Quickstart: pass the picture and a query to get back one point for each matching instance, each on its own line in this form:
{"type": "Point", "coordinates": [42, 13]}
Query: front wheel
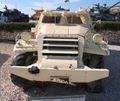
{"type": "Point", "coordinates": [25, 59]}
{"type": "Point", "coordinates": [94, 61]}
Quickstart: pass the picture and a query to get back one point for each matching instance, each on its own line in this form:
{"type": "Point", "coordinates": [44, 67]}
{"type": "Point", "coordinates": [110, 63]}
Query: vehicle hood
{"type": "Point", "coordinates": [59, 29]}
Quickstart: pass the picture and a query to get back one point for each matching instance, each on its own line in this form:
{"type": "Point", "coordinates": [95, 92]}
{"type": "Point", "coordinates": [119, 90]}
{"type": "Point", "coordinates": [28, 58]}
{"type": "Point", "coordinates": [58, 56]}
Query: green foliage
{"type": "Point", "coordinates": [108, 25]}
{"type": "Point", "coordinates": [105, 25]}
{"type": "Point", "coordinates": [15, 26]}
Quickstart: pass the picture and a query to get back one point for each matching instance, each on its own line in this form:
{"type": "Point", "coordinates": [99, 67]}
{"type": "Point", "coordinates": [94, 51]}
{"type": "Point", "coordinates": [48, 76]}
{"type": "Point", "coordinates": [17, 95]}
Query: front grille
{"type": "Point", "coordinates": [60, 46]}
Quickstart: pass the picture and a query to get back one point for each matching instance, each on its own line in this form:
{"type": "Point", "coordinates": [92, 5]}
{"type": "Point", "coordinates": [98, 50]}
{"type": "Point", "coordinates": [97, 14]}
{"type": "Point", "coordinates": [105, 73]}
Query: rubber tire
{"type": "Point", "coordinates": [95, 87]}
{"type": "Point", "coordinates": [23, 60]}
{"type": "Point", "coordinates": [94, 61]}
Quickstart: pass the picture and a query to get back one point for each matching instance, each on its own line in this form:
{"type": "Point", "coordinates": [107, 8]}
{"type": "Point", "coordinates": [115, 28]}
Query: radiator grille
{"type": "Point", "coordinates": [60, 46]}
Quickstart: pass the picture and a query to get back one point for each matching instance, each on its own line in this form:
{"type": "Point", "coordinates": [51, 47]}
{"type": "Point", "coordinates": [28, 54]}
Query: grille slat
{"type": "Point", "coordinates": [65, 40]}
{"type": "Point", "coordinates": [59, 45]}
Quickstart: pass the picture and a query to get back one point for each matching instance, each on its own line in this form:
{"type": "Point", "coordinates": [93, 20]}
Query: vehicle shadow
{"type": "Point", "coordinates": [3, 58]}
{"type": "Point", "coordinates": [111, 84]}
{"type": "Point", "coordinates": [55, 89]}
{"type": "Point", "coordinates": [45, 89]}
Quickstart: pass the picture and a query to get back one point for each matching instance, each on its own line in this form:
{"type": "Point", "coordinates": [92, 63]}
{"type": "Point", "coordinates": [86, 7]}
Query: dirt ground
{"type": "Point", "coordinates": [12, 92]}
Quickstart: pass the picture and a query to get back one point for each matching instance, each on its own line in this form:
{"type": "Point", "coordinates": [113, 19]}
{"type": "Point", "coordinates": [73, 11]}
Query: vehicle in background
{"type": "Point", "coordinates": [14, 15]}
{"type": "Point", "coordinates": [106, 13]}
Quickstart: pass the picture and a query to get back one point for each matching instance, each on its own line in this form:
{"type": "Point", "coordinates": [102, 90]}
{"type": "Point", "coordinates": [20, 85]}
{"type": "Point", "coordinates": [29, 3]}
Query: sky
{"type": "Point", "coordinates": [26, 6]}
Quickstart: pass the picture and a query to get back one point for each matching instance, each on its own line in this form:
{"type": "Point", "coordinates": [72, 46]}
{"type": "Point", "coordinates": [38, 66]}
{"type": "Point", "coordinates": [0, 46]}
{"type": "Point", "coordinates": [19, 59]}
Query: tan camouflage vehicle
{"type": "Point", "coordinates": [65, 48]}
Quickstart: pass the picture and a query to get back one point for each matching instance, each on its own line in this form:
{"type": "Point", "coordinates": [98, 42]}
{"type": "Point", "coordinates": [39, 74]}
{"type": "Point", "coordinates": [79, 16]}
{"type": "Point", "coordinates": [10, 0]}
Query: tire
{"type": "Point", "coordinates": [95, 87]}
{"type": "Point", "coordinates": [25, 59]}
{"type": "Point", "coordinates": [94, 61]}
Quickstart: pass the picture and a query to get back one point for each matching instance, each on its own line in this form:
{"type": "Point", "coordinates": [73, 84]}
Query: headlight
{"type": "Point", "coordinates": [97, 38]}
{"type": "Point", "coordinates": [103, 45]}
{"type": "Point", "coordinates": [25, 36]}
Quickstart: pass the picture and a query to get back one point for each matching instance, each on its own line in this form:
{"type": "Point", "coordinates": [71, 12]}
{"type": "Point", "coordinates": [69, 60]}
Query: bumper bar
{"type": "Point", "coordinates": [73, 75]}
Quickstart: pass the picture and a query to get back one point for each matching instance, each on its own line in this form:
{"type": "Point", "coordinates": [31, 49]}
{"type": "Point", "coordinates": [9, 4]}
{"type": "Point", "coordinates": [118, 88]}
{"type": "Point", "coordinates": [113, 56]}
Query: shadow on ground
{"type": "Point", "coordinates": [40, 89]}
{"type": "Point", "coordinates": [3, 58]}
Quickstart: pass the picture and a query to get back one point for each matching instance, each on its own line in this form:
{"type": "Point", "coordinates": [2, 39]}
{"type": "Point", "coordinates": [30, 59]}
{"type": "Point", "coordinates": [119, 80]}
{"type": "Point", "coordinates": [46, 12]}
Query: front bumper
{"type": "Point", "coordinates": [73, 75]}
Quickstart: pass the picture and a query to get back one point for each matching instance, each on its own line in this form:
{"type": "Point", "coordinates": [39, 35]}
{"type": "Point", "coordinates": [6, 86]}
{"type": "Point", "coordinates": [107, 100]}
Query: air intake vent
{"type": "Point", "coordinates": [60, 46]}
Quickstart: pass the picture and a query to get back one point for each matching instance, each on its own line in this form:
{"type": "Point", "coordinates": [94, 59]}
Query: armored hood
{"type": "Point", "coordinates": [58, 29]}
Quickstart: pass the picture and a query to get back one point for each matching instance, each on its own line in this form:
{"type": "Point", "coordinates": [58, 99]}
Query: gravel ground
{"type": "Point", "coordinates": [11, 92]}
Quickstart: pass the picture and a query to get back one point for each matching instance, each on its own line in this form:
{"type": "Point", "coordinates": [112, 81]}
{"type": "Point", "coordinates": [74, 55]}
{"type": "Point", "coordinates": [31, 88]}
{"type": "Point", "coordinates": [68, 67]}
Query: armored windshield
{"type": "Point", "coordinates": [74, 20]}
{"type": "Point", "coordinates": [59, 18]}
{"type": "Point", "coordinates": [51, 19]}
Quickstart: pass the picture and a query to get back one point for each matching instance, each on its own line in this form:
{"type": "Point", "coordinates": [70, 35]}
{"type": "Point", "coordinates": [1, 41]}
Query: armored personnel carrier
{"type": "Point", "coordinates": [65, 48]}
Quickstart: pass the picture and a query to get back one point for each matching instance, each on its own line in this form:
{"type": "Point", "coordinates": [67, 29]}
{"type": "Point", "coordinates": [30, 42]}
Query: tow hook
{"type": "Point", "coordinates": [34, 70]}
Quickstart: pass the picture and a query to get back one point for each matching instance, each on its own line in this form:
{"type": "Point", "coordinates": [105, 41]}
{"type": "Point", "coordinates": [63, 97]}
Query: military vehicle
{"type": "Point", "coordinates": [14, 15]}
{"type": "Point", "coordinates": [65, 48]}
{"type": "Point", "coordinates": [105, 13]}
